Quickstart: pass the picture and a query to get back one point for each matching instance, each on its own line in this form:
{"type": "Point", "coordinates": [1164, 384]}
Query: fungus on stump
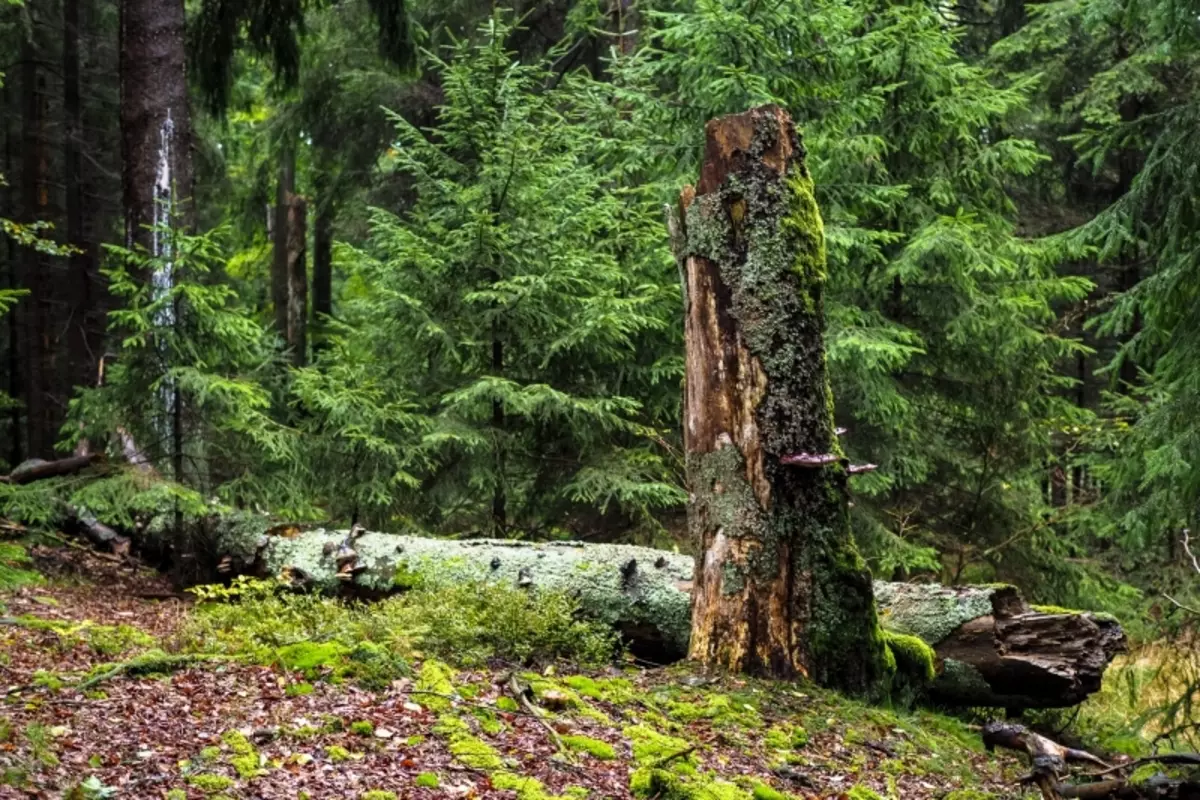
{"type": "Point", "coordinates": [780, 589]}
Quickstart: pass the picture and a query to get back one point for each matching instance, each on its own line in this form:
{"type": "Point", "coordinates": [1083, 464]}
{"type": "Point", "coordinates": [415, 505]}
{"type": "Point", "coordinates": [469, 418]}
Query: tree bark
{"type": "Point", "coordinates": [322, 304]}
{"type": "Point", "coordinates": [781, 589]}
{"type": "Point", "coordinates": [82, 342]}
{"type": "Point", "coordinates": [297, 273]}
{"type": "Point", "coordinates": [155, 121]}
{"type": "Point", "coordinates": [279, 265]}
{"type": "Point", "coordinates": [35, 337]}
{"type": "Point", "coordinates": [991, 648]}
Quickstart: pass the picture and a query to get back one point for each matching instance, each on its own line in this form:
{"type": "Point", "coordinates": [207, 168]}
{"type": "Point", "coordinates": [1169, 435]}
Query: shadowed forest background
{"type": "Point", "coordinates": [413, 272]}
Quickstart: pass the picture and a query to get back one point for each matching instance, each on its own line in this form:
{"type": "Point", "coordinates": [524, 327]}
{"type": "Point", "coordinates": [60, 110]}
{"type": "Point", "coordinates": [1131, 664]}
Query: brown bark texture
{"type": "Point", "coordinates": [780, 589]}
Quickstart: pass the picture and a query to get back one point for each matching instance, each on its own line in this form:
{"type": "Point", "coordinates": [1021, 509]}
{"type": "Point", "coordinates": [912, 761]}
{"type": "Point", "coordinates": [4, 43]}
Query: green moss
{"type": "Point", "coordinates": [310, 657]}
{"type": "Point", "coordinates": [210, 754]}
{"type": "Point", "coordinates": [526, 788]}
{"type": "Point", "coordinates": [377, 794]}
{"type": "Point", "coordinates": [912, 656]}
{"type": "Point", "coordinates": [762, 791]}
{"type": "Point", "coordinates": [862, 793]}
{"type": "Point", "coordinates": [649, 782]}
{"type": "Point", "coordinates": [427, 780]}
{"type": "Point", "coordinates": [304, 732]}
{"type": "Point", "coordinates": [176, 794]}
{"type": "Point", "coordinates": [209, 783]}
{"type": "Point", "coordinates": [778, 738]}
{"type": "Point", "coordinates": [362, 728]}
{"type": "Point", "coordinates": [617, 691]}
{"type": "Point", "coordinates": [507, 704]}
{"type": "Point", "coordinates": [298, 689]}
{"type": "Point", "coordinates": [437, 677]}
{"type": "Point", "coordinates": [593, 747]}
{"type": "Point", "coordinates": [488, 723]}
{"type": "Point", "coordinates": [245, 759]}
{"type": "Point", "coordinates": [969, 794]}
{"type": "Point", "coordinates": [651, 747]}
{"type": "Point", "coordinates": [338, 754]}
{"type": "Point", "coordinates": [469, 750]}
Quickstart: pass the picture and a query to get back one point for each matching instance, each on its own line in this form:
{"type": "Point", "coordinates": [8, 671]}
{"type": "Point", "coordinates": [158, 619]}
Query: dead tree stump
{"type": "Point", "coordinates": [780, 589]}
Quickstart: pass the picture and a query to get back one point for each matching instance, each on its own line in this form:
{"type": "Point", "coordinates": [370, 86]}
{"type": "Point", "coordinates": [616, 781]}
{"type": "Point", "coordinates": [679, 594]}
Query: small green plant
{"type": "Point", "coordinates": [593, 747]}
{"type": "Point", "coordinates": [47, 680]}
{"type": "Point", "coordinates": [40, 744]}
{"type": "Point", "coordinates": [208, 783]}
{"type": "Point", "coordinates": [377, 794]}
{"type": "Point", "coordinates": [338, 754]}
{"type": "Point", "coordinates": [362, 728]}
{"type": "Point", "coordinates": [298, 689]}
{"type": "Point", "coordinates": [427, 780]}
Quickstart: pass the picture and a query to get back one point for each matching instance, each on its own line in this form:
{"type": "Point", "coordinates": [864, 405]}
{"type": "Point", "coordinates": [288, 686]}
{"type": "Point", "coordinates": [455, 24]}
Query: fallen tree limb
{"type": "Point", "coordinates": [992, 648]}
{"type": "Point", "coordinates": [1050, 762]}
{"type": "Point", "coordinates": [36, 469]}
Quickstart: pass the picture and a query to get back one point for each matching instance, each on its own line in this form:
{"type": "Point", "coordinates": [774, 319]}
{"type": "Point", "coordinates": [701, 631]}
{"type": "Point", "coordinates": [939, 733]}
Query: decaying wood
{"type": "Point", "coordinates": [1050, 762]}
{"type": "Point", "coordinates": [779, 589]}
{"type": "Point", "coordinates": [646, 595]}
{"type": "Point", "coordinates": [1028, 657]}
{"type": "Point", "coordinates": [36, 469]}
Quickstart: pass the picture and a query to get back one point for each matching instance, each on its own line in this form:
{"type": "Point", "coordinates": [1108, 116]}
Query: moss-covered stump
{"type": "Point", "coordinates": [781, 590]}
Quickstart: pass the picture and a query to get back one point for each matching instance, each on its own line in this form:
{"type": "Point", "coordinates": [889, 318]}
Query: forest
{"type": "Point", "coordinates": [658, 399]}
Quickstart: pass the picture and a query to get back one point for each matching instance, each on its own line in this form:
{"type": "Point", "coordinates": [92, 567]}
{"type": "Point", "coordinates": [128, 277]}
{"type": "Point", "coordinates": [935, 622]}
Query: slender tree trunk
{"type": "Point", "coordinates": [81, 344]}
{"type": "Point", "coordinates": [279, 265]}
{"type": "Point", "coordinates": [623, 17]}
{"type": "Point", "coordinates": [322, 304]}
{"type": "Point", "coordinates": [35, 334]}
{"type": "Point", "coordinates": [297, 286]}
{"type": "Point", "coordinates": [11, 281]}
{"type": "Point", "coordinates": [499, 493]}
{"type": "Point", "coordinates": [781, 589]}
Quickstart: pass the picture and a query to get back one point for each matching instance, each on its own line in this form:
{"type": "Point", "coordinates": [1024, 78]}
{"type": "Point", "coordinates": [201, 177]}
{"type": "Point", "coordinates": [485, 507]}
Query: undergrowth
{"type": "Point", "coordinates": [467, 624]}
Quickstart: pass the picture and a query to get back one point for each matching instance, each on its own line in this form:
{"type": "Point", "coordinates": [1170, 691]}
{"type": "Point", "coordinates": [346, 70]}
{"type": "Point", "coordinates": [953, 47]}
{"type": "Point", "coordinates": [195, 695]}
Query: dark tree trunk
{"type": "Point", "coordinates": [322, 303]}
{"type": "Point", "coordinates": [780, 589]}
{"type": "Point", "coordinates": [279, 264]}
{"type": "Point", "coordinates": [36, 352]}
{"type": "Point", "coordinates": [82, 344]}
{"type": "Point", "coordinates": [156, 127]}
{"type": "Point", "coordinates": [11, 281]}
{"type": "Point", "coordinates": [297, 272]}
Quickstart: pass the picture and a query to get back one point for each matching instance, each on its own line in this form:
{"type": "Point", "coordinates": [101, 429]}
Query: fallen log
{"type": "Point", "coordinates": [992, 648]}
{"type": "Point", "coordinates": [36, 469]}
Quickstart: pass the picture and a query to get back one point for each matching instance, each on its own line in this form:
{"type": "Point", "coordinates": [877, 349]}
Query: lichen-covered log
{"type": "Point", "coordinates": [781, 589]}
{"type": "Point", "coordinates": [990, 640]}
{"type": "Point", "coordinates": [646, 594]}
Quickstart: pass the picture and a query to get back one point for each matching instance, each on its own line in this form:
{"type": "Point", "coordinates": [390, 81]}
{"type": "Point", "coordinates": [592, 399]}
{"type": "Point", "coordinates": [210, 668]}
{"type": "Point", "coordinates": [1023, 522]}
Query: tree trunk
{"type": "Point", "coordinates": [623, 17]}
{"type": "Point", "coordinates": [279, 265]}
{"type": "Point", "coordinates": [781, 589]}
{"type": "Point", "coordinates": [322, 304]}
{"type": "Point", "coordinates": [155, 122]}
{"type": "Point", "coordinates": [991, 648]}
{"type": "Point", "coordinates": [35, 333]}
{"type": "Point", "coordinates": [82, 343]}
{"type": "Point", "coordinates": [12, 277]}
{"type": "Point", "coordinates": [297, 271]}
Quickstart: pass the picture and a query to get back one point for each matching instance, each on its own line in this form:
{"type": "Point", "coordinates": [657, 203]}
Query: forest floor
{"type": "Point", "coordinates": [223, 729]}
